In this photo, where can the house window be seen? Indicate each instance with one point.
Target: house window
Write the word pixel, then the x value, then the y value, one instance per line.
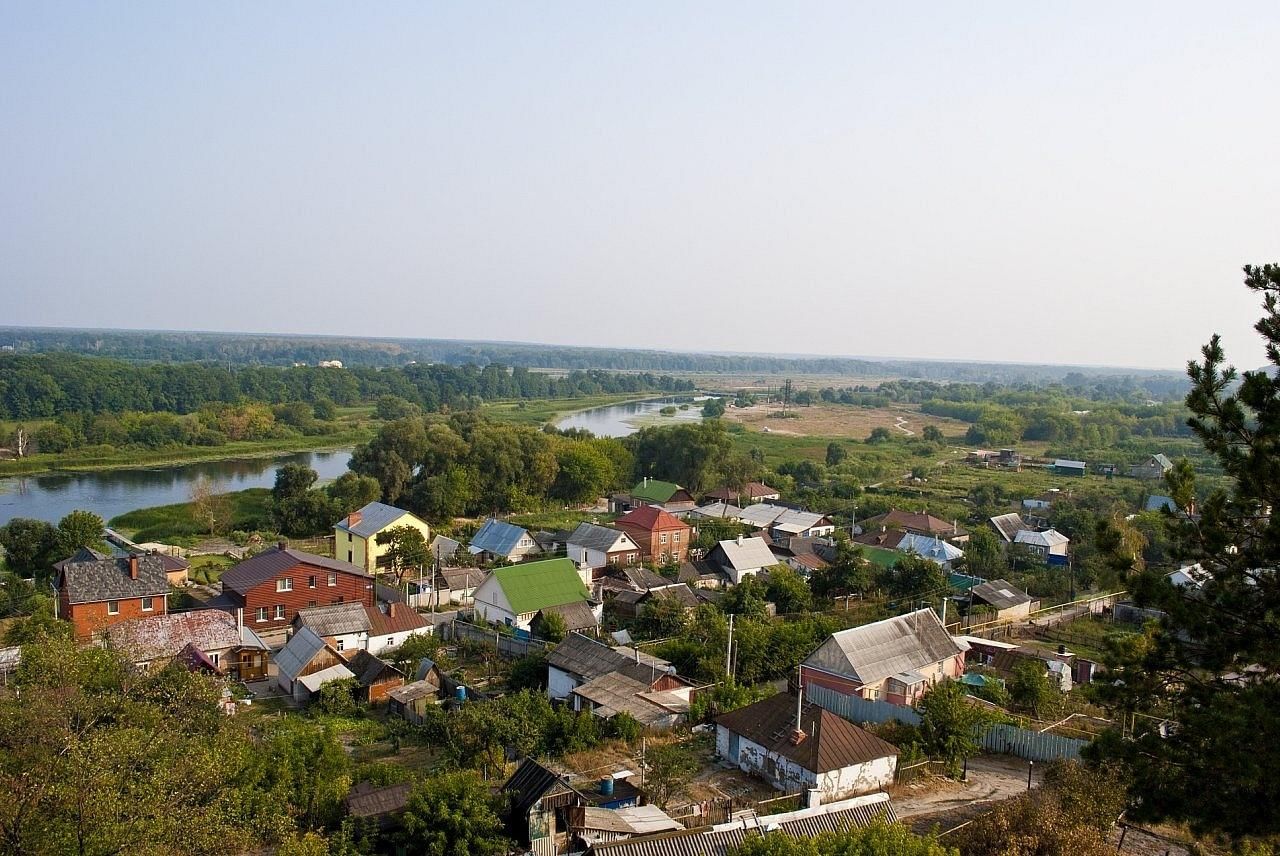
pixel 214 658
pixel 113 607
pixel 391 641
pixel 675 537
pixel 333 579
pixel 148 604
pixel 341 644
pixel 348 537
pixel 310 604
pixel 662 538
pixel 348 557
pixel 613 560
pixel 311 582
pixel 285 584
pixel 279 612
pixel 262 613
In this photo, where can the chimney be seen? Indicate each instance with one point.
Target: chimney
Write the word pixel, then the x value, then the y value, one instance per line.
pixel 280 545
pixel 133 567
pixel 739 539
pixel 353 518
pixel 391 609
pixel 797 734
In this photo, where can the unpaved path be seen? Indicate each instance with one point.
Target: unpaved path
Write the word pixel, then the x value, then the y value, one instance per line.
pixel 991 778
pixel 901 424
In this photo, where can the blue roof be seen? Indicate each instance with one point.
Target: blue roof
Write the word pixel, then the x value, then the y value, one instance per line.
pixel 497 537
pixel 930 548
pixel 1156 502
pixel 374 517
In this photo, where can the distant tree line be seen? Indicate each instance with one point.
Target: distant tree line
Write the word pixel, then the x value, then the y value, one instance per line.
pixel 45 385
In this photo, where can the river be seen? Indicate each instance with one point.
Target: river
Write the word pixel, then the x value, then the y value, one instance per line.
pixel 50 496
pixel 619 420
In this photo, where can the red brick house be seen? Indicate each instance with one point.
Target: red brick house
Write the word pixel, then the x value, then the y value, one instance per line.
pixel 661 536
pixel 96 591
pixel 272 586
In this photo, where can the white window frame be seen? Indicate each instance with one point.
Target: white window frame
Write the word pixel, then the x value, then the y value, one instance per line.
pixel 311 581
pixel 662 537
pixel 262 614
pixel 333 579
pixel 279 612
pixel 148 604
pixel 113 607
pixel 284 584
pixel 341 644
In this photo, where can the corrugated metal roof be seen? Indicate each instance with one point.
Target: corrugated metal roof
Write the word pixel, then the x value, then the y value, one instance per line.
pixel 337 619
pixel 497 537
pixel 791 521
pixel 1001 594
pixel 717 511
pixel 1047 538
pixel 602 538
pixel 761 514
pixel 653 490
pixel 930 547
pixel 372 519
pixel 749 554
pixel 875 651
pixel 830 742
pixel 298 652
pixel 314 681
pixel 1009 525
pixel 537 585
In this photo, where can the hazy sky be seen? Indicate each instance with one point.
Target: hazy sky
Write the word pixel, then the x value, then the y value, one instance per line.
pixel 1068 182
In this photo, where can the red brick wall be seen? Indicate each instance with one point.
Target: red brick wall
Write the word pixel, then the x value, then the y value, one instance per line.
pixel 91 618
pixel 651 546
pixel 350 587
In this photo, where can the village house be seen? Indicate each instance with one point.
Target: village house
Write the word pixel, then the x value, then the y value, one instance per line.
pixel 306 663
pixel 716 511
pixel 751 492
pixel 96 591
pixel 802 747
pixel 666 495
pixel 1066 467
pixel 1050 545
pixel 356 535
pixel 893 660
pixel 599 547
pixel 200 636
pixel 589 825
pixel 932 548
pixel 606 681
pixel 1154 467
pixel 458 585
pixel 410 702
pixel 1007 527
pixel 272 586
pixel 513 595
pixel 800 524
pixel 633 578
pixel 918 523
pixel 630 604
pixel 376 678
pixel 356 627
pixel 742 557
pixel 662 537
pixel 538 801
pixel 1008 601
pixel 497 539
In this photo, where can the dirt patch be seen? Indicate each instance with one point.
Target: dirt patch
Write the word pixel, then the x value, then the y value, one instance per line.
pixel 837 420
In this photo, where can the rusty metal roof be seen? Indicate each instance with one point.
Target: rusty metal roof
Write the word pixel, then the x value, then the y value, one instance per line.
pixel 830 742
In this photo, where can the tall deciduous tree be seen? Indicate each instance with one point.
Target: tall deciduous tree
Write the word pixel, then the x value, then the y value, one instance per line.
pixel 406 550
pixel 81 529
pixel 1213 666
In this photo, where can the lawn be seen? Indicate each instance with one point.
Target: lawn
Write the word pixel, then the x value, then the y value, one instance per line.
pixel 841 421
pixel 177 523
pixel 207 570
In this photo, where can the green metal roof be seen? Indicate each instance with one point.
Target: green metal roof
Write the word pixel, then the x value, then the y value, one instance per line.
pixel 654 491
pixel 531 586
pixel 880 556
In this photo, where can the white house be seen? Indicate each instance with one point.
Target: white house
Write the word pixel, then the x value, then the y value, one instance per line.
pixel 497 539
pixel 802 747
pixel 600 546
pixel 606 681
pixel 800 524
pixel 515 594
pixel 355 627
pixel 742 557
pixel 1048 545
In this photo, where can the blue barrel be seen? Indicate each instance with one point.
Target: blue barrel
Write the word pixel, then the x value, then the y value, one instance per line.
pixel 460 693
pixel 606 786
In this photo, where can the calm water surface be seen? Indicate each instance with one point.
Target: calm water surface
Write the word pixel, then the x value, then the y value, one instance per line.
pixel 52 495
pixel 619 420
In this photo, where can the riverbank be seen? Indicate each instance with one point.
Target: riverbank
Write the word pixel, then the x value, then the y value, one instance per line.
pixel 242 510
pixel 86 461
pixel 553 410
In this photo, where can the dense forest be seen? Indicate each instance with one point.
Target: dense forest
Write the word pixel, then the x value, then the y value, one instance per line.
pixel 45 385
pixel 281 350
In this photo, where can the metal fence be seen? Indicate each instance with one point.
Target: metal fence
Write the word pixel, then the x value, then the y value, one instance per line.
pixel 508 646
pixel 1004 739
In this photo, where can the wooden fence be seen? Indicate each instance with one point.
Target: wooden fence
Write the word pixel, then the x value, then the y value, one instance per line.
pixel 508 646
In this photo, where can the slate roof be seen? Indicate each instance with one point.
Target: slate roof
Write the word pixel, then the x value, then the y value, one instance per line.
pixel 751 491
pixel 301 648
pixel 415 691
pixel 637 577
pixel 650 518
pixel 831 743
pixel 913 521
pixel 1047 538
pixel 93 580
pixel 338 619
pixel 930 547
pixel 371 519
pixel 653 490
pixel 531 782
pixel 314 681
pixel 444 548
pixel 1001 594
pixel 532 586
pixel 681 593
pixel 588 659
pixel 876 651
pixel 269 564
pixel 157 636
pixel 621 692
pixel 602 538
pixel 718 511
pixel 761 515
pixel 577 615
pixel 10 658
pixel 369 669
pixel 751 553
pixel 497 537
pixel 1007 526
pixel 459 579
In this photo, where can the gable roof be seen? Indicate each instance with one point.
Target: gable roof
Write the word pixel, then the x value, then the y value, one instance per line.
pixel 596 537
pixel 337 619
pixel 761 514
pixel 915 521
pixel 718 511
pixel 830 742
pixel 497 537
pixel 792 521
pixel 751 491
pixel 405 619
pixel 653 490
pixel 269 564
pixel 300 650
pixel 1065 463
pixel 444 548
pixel 1001 594
pixel 876 651
pixel 369 669
pixel 209 630
pixel 650 518
pixel 589 659
pixel 930 547
pixel 371 519
pixel 577 615
pixel 532 586
pixel 92 580
pixel 747 554
pixel 1047 538
pixel 531 782
pixel 1007 526
pixel 1156 502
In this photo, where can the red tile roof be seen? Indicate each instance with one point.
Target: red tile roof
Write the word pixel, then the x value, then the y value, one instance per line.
pixel 649 518
pixel 404 620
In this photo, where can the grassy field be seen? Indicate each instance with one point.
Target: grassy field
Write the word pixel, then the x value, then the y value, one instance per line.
pixel 837 421
pixel 177 523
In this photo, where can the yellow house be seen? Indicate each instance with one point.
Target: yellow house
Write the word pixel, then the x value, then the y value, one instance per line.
pixel 355 536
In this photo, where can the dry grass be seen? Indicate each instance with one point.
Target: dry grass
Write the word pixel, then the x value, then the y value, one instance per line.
pixel 839 420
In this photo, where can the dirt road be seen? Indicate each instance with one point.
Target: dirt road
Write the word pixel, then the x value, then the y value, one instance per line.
pixel 991 778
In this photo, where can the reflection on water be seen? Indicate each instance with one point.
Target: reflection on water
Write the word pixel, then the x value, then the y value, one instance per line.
pixel 619 420
pixel 50 496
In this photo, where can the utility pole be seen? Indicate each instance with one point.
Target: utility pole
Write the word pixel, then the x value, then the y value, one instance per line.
pixel 728 654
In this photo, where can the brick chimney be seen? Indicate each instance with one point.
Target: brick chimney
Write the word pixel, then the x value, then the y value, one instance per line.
pixel 391 609
pixel 354 518
pixel 133 567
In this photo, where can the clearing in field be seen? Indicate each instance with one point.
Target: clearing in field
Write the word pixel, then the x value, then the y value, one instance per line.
pixel 841 420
